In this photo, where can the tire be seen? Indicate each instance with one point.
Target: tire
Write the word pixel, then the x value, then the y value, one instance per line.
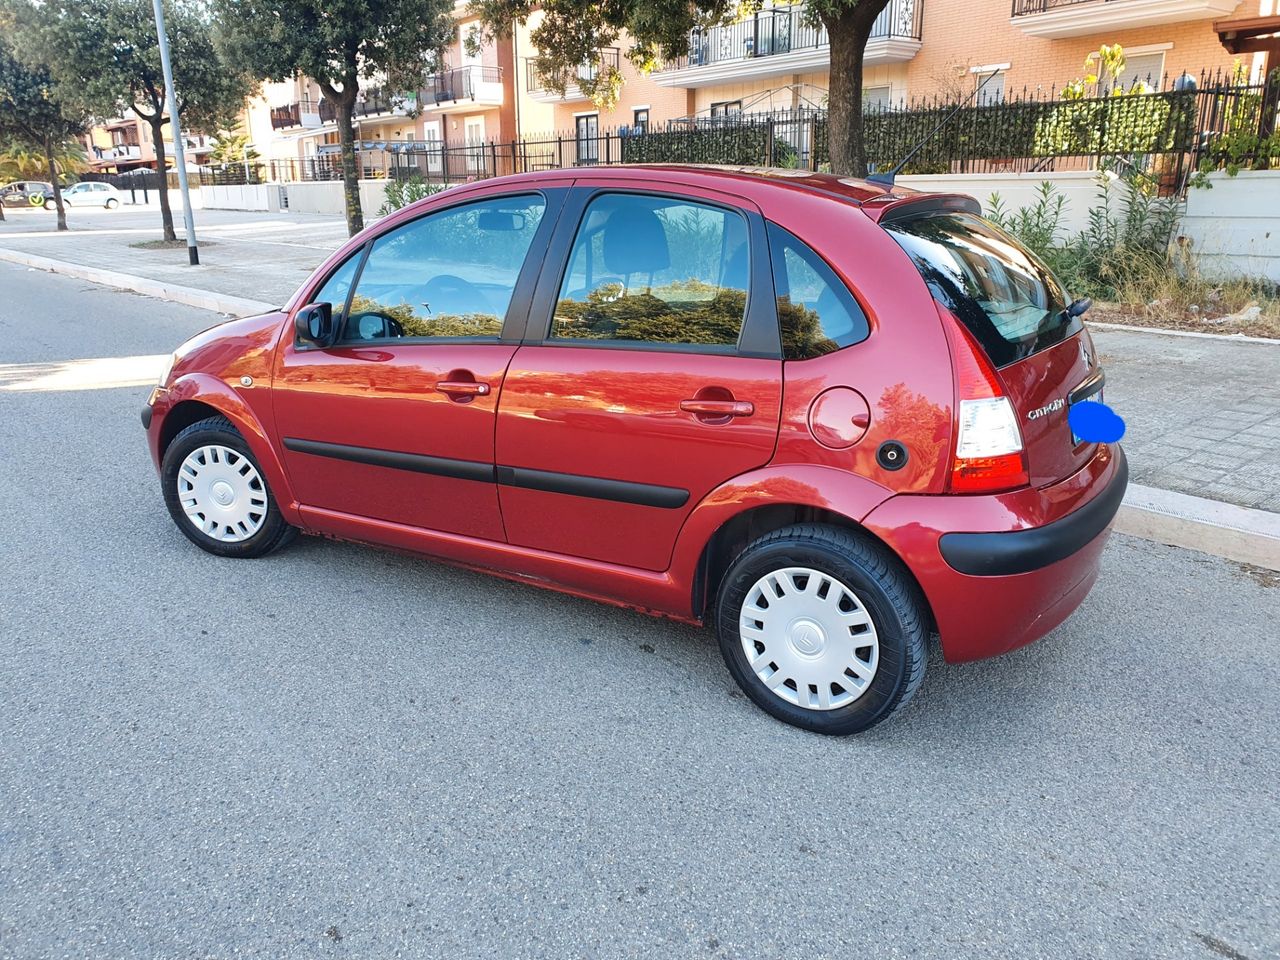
pixel 49 205
pixel 845 613
pixel 216 463
pixel 112 203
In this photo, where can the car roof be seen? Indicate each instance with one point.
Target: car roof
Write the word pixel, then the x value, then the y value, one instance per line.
pixel 876 199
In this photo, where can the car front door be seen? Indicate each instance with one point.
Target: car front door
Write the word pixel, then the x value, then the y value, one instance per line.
pixel 395 420
pixel 650 374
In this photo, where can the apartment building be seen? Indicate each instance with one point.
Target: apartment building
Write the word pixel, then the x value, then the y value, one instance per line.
pixel 125 143
pixel 776 59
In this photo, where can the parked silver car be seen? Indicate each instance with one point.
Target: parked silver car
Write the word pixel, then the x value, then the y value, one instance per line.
pixel 88 194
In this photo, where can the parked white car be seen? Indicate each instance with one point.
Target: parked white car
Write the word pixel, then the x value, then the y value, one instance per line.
pixel 88 194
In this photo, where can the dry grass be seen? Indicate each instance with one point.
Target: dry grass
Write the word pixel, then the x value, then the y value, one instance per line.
pixel 1186 301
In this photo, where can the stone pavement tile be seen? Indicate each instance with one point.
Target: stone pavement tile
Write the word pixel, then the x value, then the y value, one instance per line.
pixel 1202 416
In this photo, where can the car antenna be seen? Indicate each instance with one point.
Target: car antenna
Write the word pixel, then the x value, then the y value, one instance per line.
pixel 887 178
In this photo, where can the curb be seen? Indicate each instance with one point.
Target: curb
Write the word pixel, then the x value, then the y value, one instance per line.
pixel 173 292
pixel 1221 529
pixel 1194 334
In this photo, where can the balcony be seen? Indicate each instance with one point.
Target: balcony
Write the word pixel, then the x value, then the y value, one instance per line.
pixel 378 102
pixel 609 58
pixel 1075 18
pixel 779 41
pixel 464 88
pixel 303 113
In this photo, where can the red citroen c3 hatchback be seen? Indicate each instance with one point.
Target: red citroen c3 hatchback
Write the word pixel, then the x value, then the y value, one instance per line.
pixel 828 417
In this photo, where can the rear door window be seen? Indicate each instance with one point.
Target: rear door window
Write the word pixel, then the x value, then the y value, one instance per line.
pixel 1002 292
pixel 648 270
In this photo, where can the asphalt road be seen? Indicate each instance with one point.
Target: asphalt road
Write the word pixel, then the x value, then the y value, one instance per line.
pixel 341 752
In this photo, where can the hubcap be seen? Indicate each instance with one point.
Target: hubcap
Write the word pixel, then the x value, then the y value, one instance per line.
pixel 809 638
pixel 222 494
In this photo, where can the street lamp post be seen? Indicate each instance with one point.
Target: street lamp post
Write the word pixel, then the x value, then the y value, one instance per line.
pixel 171 99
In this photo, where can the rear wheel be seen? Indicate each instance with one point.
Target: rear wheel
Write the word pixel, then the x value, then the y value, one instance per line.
pixel 112 203
pixel 822 628
pixel 49 204
pixel 217 494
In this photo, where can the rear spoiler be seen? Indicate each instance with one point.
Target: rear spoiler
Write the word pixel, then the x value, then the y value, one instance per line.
pixel 892 207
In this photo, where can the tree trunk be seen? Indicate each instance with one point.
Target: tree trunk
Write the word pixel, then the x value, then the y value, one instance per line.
pixel 849 33
pixel 57 187
pixel 350 176
pixel 166 214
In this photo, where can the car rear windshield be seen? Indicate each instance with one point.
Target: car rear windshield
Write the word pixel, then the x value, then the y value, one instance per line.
pixel 1002 292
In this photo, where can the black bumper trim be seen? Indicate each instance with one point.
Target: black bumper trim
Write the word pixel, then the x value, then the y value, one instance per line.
pixel 146 417
pixel 1022 551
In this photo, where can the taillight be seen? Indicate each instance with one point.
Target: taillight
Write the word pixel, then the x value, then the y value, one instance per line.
pixel 988 452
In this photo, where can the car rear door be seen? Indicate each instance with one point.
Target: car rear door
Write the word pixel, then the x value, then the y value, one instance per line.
pixel 395 421
pixel 650 373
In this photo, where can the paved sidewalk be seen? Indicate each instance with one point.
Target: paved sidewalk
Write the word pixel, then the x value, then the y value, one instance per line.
pixel 1203 414
pixel 257 256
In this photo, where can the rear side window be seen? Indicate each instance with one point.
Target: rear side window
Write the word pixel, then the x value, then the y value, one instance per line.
pixel 816 312
pixel 655 270
pixel 1003 293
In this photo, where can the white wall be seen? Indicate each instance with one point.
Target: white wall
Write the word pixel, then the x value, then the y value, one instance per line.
pixel 325 196
pixel 257 196
pixel 1234 227
pixel 1079 188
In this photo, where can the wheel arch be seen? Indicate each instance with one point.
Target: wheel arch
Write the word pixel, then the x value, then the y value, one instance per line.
pixel 196 397
pixel 731 538
pixel 764 500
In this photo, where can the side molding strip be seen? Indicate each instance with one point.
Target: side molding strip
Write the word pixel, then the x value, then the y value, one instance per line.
pixel 570 484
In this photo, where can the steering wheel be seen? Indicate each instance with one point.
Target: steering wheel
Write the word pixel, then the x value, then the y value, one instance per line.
pixel 446 293
pixel 372 325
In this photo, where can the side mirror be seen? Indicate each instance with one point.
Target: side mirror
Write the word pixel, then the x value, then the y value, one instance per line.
pixel 314 325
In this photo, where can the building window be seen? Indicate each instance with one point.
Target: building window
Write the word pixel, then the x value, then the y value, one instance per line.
pixel 726 108
pixel 640 119
pixel 588 137
pixel 990 89
pixel 1146 69
pixel 877 99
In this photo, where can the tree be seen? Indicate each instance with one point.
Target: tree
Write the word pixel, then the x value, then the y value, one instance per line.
pixel 336 43
pixel 104 55
pixel 32 116
pixel 573 32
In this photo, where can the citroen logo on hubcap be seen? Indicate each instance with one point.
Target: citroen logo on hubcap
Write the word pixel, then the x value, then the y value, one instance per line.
pixel 807 638
pixel 223 494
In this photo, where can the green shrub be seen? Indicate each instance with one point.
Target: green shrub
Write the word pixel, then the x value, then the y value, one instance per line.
pixel 1127 239
pixel 401 193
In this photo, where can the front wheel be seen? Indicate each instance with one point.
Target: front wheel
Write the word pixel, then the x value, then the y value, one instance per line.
pixel 217 494
pixel 822 628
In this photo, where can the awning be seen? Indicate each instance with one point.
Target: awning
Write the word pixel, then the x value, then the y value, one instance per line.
pixel 1251 35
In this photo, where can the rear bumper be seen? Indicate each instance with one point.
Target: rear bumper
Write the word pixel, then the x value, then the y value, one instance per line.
pixel 1002 571
pixel 1022 551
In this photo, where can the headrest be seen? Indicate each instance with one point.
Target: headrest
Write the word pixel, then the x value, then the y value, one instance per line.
pixel 635 242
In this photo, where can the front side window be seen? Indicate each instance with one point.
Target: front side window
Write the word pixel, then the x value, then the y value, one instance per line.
pixel 649 269
pixel 448 274
pixel 816 312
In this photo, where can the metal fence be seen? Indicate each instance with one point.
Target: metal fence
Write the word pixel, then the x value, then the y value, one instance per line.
pixel 1164 135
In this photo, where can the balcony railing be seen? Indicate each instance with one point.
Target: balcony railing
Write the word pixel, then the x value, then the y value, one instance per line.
pixel 778 30
pixel 287 116
pixel 1022 8
pixel 372 102
pixel 609 59
pixel 460 83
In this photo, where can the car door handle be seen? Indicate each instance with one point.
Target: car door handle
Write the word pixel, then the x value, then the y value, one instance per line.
pixel 718 408
pixel 463 388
